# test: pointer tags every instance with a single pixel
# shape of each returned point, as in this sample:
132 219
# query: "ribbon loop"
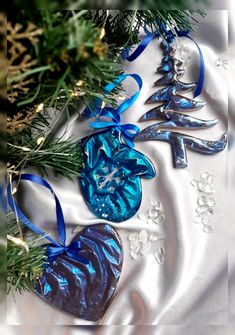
129 131
169 37
55 248
141 47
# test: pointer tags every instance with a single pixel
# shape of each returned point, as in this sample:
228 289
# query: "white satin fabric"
231 258
191 286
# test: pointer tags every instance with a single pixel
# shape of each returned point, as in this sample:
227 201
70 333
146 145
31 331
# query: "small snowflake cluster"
206 202
140 243
182 53
155 214
223 61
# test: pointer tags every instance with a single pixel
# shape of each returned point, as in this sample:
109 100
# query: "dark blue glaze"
165 94
85 291
165 46
166 59
181 103
169 78
180 141
161 95
177 120
169 66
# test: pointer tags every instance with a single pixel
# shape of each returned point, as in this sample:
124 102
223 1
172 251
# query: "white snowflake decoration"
223 61
154 215
140 244
206 202
182 53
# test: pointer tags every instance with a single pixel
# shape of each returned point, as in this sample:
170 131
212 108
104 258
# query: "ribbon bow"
128 131
170 37
72 250
55 248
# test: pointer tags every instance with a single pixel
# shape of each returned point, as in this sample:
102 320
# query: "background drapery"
191 287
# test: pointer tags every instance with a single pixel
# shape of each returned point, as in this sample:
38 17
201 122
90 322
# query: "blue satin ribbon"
200 82
128 131
170 37
55 248
140 48
3 205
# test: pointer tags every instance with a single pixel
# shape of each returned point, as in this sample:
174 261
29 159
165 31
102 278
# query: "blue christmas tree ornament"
172 105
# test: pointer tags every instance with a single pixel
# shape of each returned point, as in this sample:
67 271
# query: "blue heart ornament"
84 289
111 178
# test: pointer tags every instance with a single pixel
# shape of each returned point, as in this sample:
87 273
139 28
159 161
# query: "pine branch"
35 146
71 59
25 262
64 157
122 27
3 251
